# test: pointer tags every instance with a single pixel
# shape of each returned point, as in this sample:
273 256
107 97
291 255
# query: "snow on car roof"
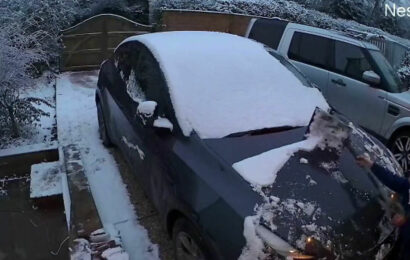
222 84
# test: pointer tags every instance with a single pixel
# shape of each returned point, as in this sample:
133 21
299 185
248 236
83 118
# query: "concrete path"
77 124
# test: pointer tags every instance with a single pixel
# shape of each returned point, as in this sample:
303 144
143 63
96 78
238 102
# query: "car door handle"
339 82
393 110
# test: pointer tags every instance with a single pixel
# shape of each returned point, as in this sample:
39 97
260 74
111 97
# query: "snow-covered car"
220 134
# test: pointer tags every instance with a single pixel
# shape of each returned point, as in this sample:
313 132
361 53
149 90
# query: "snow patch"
147 108
254 244
330 129
45 180
81 250
162 122
116 253
133 147
31 148
310 180
262 169
133 88
304 161
66 198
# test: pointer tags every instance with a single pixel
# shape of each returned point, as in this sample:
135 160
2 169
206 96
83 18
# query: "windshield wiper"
262 131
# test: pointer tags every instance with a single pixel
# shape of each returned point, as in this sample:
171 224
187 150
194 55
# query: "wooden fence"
180 20
92 41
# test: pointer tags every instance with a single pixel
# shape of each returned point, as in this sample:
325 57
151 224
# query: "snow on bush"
16 62
404 70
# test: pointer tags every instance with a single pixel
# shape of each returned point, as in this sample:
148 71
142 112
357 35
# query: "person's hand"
364 161
399 220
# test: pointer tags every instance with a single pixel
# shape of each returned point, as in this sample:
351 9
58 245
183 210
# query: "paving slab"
28 231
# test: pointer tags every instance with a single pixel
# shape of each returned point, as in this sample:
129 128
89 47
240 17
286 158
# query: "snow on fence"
90 42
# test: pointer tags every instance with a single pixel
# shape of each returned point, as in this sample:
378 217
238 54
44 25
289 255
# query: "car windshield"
389 77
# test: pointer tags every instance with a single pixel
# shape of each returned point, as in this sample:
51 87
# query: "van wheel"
189 244
102 127
400 147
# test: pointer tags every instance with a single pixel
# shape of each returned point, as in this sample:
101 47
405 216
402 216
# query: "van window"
268 31
350 60
310 49
390 80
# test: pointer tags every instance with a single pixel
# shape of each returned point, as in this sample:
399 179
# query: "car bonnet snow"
222 84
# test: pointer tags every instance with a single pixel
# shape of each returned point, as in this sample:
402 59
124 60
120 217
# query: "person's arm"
394 182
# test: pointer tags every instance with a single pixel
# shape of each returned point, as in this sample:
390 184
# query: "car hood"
329 198
401 99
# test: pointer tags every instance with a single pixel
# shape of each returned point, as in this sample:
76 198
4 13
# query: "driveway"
120 202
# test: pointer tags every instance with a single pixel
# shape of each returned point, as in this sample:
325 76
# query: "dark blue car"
216 129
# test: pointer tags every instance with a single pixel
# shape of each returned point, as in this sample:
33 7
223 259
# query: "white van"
353 75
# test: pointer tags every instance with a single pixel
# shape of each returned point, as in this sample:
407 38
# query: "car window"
390 80
126 60
268 31
141 80
310 49
152 83
350 60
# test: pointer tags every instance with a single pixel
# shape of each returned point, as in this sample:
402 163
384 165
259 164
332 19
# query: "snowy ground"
45 130
77 123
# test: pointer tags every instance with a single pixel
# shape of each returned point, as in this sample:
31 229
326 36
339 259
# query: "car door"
127 97
349 93
312 55
156 142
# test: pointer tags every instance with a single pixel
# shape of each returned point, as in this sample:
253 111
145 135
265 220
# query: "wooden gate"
92 41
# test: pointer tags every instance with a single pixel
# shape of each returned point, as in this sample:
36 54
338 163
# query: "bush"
404 71
16 62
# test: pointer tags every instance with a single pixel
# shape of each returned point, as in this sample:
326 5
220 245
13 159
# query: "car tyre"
188 242
102 127
399 145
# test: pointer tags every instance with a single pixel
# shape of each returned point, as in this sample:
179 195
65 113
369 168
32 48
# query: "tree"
16 109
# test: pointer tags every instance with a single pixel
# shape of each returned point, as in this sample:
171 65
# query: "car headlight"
279 246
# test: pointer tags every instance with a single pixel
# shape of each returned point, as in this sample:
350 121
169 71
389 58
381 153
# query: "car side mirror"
371 77
146 111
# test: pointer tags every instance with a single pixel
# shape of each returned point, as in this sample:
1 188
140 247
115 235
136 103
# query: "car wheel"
400 147
189 244
102 127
